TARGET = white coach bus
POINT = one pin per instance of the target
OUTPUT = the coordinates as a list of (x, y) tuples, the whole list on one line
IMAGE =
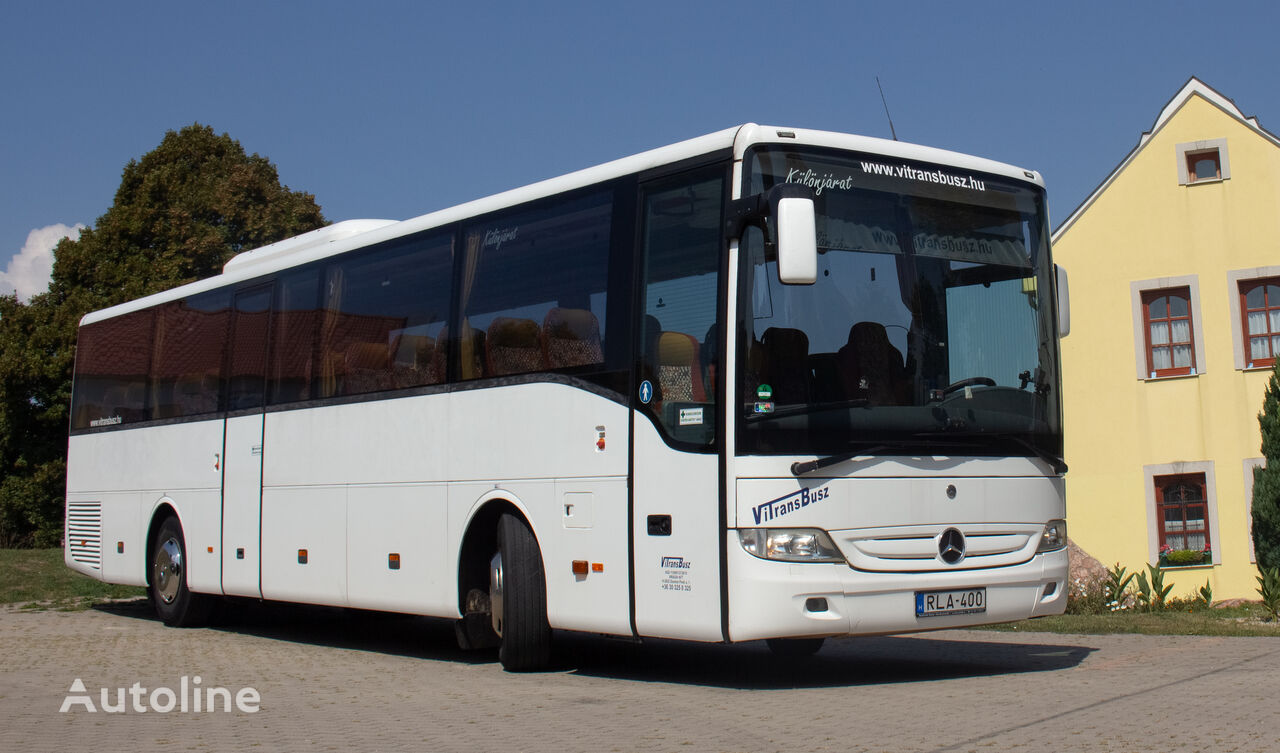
[(764, 384)]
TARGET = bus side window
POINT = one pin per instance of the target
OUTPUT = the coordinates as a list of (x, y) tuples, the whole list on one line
[(295, 322), (246, 379), (189, 352), (534, 288), (113, 357), (383, 314)]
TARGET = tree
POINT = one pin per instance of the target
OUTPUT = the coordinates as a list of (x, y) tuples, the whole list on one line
[(1266, 480), (180, 213)]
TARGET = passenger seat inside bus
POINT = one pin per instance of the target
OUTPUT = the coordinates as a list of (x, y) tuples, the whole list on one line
[(367, 368), (414, 362), (512, 346), (571, 337), (680, 368), (195, 394)]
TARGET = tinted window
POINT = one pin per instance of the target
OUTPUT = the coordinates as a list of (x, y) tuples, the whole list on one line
[(113, 357), (247, 376), (534, 289), (383, 320), (295, 324), (186, 371)]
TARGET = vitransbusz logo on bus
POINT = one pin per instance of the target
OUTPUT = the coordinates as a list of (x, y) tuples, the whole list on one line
[(776, 508)]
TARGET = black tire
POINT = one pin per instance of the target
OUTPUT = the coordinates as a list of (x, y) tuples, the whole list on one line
[(795, 648), (174, 603), (526, 636)]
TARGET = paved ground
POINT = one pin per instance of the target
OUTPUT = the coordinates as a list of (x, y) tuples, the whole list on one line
[(331, 680)]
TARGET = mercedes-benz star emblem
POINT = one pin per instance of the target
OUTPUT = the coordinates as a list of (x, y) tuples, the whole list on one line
[(951, 546)]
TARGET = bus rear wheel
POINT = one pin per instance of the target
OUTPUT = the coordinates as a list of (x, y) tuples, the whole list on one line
[(518, 598), (174, 603)]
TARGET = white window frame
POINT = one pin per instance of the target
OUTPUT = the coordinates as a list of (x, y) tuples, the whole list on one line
[(1136, 289), (1149, 474), (1234, 278), (1190, 148)]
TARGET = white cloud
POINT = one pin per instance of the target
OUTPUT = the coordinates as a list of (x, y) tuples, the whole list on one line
[(29, 269)]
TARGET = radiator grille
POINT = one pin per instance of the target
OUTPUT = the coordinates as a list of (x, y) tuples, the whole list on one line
[(84, 533), (915, 548)]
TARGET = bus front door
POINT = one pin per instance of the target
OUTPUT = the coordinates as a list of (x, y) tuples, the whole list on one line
[(675, 484)]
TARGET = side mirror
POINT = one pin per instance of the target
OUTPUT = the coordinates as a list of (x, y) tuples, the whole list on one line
[(1064, 303), (796, 226), (789, 220)]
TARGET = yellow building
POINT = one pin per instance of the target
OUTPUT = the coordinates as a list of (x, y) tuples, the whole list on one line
[(1174, 265)]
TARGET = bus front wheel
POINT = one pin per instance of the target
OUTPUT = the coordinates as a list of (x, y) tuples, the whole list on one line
[(518, 598), (174, 603)]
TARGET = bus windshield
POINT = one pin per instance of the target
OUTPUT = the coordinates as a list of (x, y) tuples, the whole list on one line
[(930, 330)]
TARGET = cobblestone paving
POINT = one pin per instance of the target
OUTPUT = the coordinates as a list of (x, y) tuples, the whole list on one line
[(340, 681)]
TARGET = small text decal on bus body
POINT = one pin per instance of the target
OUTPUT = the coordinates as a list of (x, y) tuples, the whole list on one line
[(495, 238), (675, 574)]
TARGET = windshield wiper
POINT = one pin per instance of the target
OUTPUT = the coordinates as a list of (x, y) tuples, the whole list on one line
[(1058, 464), (809, 466), (925, 441)]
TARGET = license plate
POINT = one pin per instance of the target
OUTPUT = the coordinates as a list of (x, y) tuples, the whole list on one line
[(959, 601)]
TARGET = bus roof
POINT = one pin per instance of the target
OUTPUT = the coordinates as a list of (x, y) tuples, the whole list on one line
[(345, 236)]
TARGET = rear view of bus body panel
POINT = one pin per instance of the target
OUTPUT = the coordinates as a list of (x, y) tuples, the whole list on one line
[(124, 476), (888, 530)]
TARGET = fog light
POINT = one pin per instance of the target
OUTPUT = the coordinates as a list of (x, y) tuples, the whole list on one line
[(1054, 536), (790, 544)]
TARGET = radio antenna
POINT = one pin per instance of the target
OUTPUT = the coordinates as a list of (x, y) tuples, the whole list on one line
[(886, 109)]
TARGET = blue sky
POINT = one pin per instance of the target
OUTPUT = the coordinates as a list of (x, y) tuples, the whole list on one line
[(394, 109)]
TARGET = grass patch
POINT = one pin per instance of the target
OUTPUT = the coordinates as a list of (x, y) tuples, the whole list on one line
[(1244, 620), (38, 579)]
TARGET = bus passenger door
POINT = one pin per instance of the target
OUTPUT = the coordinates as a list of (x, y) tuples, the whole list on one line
[(676, 504), (243, 444)]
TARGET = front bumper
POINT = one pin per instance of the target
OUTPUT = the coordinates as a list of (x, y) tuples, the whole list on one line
[(769, 599)]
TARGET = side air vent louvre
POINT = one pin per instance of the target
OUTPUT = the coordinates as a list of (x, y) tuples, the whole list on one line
[(84, 533)]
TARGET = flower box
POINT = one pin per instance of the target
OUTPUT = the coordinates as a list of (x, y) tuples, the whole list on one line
[(1185, 557)]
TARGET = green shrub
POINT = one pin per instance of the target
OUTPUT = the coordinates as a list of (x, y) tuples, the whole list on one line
[(1152, 594), (1266, 480), (1269, 590), (1206, 594), (1116, 588)]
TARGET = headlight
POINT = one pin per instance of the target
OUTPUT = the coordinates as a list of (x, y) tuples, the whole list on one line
[(1054, 537), (790, 544)]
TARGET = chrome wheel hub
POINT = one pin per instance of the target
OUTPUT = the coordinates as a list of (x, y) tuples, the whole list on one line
[(495, 592), (167, 570)]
